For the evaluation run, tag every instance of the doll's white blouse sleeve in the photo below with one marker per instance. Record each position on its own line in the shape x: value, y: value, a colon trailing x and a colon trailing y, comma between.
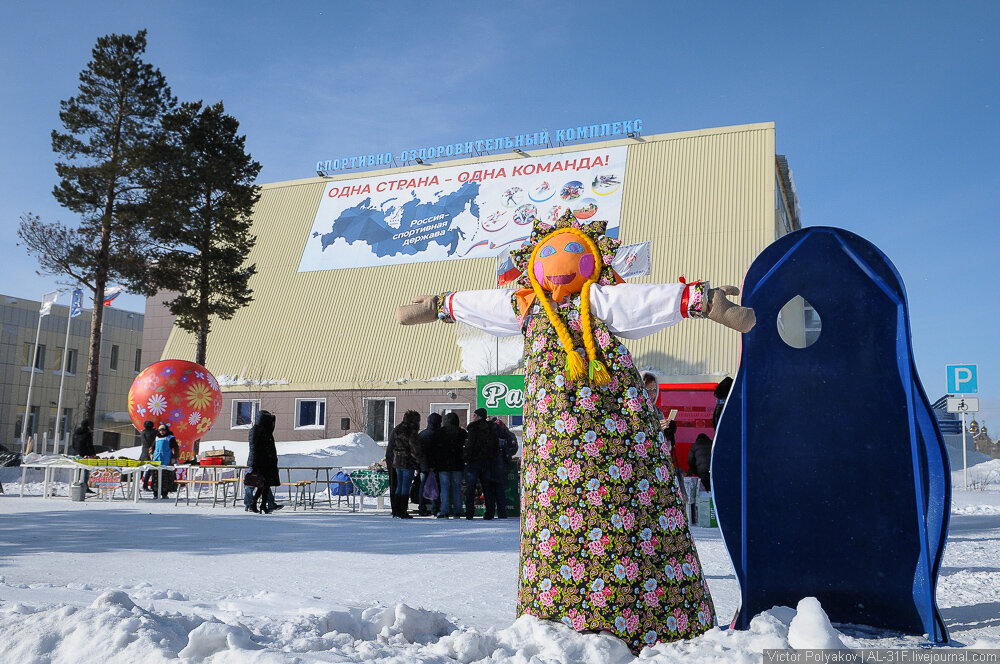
x: 631, y: 311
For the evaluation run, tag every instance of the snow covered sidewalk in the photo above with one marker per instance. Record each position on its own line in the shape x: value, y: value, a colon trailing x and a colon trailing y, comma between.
x: 100, y: 582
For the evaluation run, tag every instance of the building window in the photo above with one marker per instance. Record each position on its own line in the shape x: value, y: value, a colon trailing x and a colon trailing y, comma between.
x: 460, y: 409
x: 310, y: 413
x: 345, y: 424
x: 517, y: 420
x: 32, y: 422
x: 244, y: 413
x: 138, y: 360
x: 70, y: 361
x: 29, y: 349
x: 66, y: 423
x: 379, y: 417
x: 114, y: 358
x: 111, y: 440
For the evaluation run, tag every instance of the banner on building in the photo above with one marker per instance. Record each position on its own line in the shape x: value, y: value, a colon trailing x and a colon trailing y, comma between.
x: 470, y: 211
x: 500, y: 395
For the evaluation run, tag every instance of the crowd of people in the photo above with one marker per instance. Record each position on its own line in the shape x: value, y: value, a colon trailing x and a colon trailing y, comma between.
x: 426, y: 466
x: 434, y: 462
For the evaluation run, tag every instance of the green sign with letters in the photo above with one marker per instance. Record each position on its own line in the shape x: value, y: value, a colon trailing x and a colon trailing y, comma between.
x: 500, y: 395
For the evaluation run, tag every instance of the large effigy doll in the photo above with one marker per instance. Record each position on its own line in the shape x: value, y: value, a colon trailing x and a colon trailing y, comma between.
x: 605, y: 544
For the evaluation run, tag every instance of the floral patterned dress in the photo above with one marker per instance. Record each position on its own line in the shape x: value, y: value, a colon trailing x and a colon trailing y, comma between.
x: 605, y: 543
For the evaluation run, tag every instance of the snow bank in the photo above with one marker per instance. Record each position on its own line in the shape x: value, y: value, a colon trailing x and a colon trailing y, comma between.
x: 240, y: 381
x: 983, y: 476
x: 117, y: 629
x: 356, y: 449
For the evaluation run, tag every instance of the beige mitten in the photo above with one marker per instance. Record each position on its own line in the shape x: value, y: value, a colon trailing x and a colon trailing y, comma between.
x: 423, y: 310
x: 724, y: 312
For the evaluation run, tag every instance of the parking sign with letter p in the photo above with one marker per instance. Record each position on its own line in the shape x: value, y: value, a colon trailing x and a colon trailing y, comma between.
x: 963, y: 379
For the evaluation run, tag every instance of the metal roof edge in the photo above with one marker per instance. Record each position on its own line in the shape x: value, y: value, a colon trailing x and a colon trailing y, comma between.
x: 511, y: 156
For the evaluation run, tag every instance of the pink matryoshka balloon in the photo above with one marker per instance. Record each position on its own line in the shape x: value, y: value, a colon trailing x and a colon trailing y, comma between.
x: 182, y: 394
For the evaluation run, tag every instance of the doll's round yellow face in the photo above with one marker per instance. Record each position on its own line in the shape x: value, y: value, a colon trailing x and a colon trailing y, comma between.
x: 562, y: 264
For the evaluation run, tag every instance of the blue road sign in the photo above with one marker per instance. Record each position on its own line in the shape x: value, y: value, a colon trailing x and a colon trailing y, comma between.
x: 962, y: 379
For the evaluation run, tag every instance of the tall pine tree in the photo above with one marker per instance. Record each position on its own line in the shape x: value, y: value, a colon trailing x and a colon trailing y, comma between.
x: 109, y: 128
x: 202, y: 186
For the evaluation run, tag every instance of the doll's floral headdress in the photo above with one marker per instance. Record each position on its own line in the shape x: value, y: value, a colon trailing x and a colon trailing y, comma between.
x: 608, y: 246
x: 593, y: 236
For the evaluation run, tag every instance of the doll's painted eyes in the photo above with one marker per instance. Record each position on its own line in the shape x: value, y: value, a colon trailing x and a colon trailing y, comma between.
x: 574, y: 248
x: 547, y: 251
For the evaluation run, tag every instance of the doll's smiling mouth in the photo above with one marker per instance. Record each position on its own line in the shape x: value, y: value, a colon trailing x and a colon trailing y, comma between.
x: 562, y: 279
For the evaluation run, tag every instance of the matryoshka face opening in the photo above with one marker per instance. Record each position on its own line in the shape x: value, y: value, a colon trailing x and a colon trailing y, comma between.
x: 563, y: 263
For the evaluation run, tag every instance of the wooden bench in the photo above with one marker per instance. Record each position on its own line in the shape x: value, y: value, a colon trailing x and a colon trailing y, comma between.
x: 302, y: 493
x: 215, y: 484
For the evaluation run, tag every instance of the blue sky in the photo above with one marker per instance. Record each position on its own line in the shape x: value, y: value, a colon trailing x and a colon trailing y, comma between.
x: 889, y: 113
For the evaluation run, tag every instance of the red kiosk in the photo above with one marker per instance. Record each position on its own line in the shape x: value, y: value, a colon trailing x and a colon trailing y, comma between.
x: 695, y: 403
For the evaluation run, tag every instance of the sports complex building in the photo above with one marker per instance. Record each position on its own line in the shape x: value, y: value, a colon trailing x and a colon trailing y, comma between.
x: 337, y: 253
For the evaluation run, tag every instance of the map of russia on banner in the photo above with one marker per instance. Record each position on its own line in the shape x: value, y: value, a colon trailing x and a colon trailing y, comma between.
x: 468, y: 211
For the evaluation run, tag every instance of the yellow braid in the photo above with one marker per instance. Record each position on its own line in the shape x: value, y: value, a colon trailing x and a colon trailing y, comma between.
x: 574, y: 363
x: 598, y: 373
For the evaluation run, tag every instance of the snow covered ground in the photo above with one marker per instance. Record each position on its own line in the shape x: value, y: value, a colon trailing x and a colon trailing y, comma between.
x: 117, y: 582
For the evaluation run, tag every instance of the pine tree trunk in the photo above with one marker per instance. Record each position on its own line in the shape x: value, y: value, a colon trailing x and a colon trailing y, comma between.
x: 96, y: 322
x: 203, y: 285
x: 101, y: 279
x: 202, y: 343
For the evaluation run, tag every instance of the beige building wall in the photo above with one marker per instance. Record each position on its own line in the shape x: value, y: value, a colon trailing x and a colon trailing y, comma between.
x: 708, y: 201
x: 122, y: 338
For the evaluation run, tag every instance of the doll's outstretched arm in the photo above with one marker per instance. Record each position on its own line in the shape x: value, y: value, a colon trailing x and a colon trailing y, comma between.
x: 487, y: 310
x: 633, y: 311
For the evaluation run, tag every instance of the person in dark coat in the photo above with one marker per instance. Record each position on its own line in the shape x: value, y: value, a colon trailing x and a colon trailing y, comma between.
x: 147, y: 439
x: 480, y: 454
x: 404, y: 442
x: 447, y: 461
x: 721, y: 394
x: 428, y: 445
x: 700, y: 460
x: 83, y: 440
x: 248, y: 491
x: 83, y: 445
x: 391, y: 470
x: 507, y: 447
x: 265, y: 461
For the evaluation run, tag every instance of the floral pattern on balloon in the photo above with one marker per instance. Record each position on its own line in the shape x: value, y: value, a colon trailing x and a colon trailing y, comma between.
x: 182, y: 394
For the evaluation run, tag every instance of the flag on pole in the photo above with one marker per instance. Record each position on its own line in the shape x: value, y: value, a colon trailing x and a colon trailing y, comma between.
x: 633, y: 260
x: 47, y: 301
x: 76, y: 308
x: 111, y: 294
x: 506, y: 272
